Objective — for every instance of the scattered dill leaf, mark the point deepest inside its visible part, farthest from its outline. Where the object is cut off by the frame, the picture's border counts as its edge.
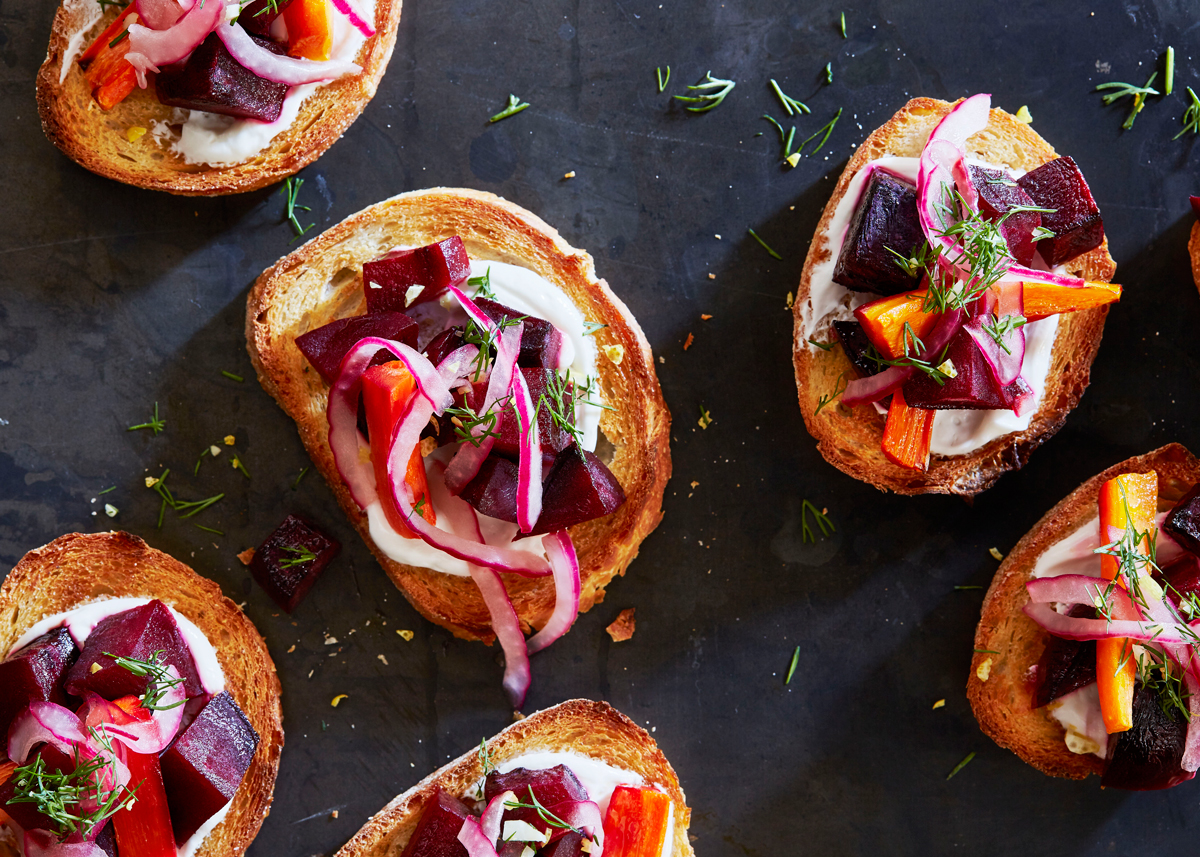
(961, 765)
(155, 424)
(823, 523)
(792, 667)
(791, 105)
(290, 190)
(663, 81)
(713, 91)
(514, 106)
(232, 377)
(764, 244)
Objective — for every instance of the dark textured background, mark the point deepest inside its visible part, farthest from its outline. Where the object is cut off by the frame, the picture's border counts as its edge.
(115, 298)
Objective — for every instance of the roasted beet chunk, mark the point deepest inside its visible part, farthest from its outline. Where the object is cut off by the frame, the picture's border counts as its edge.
(1147, 757)
(857, 347)
(1066, 665)
(570, 844)
(1183, 575)
(578, 488)
(289, 562)
(1075, 220)
(493, 491)
(434, 268)
(205, 765)
(543, 384)
(327, 345)
(972, 388)
(540, 342)
(1183, 521)
(550, 786)
(444, 344)
(437, 831)
(27, 814)
(998, 194)
(886, 217)
(138, 634)
(34, 673)
(213, 81)
(258, 15)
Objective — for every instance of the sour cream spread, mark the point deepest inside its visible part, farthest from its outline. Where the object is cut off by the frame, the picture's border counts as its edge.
(955, 432)
(526, 292)
(80, 621)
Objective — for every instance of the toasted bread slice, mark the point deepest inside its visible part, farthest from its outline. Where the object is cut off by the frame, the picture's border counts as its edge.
(1003, 701)
(322, 281)
(77, 568)
(97, 139)
(593, 729)
(850, 438)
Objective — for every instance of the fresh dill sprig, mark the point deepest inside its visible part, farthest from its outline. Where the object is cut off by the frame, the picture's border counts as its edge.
(829, 72)
(1191, 116)
(419, 507)
(791, 105)
(155, 424)
(302, 554)
(785, 139)
(1041, 232)
(827, 128)
(1125, 90)
(290, 190)
(663, 81)
(590, 327)
(60, 796)
(559, 402)
(838, 388)
(713, 90)
(792, 666)
(187, 508)
(999, 328)
(544, 814)
(122, 37)
(232, 377)
(212, 530)
(764, 244)
(154, 669)
(823, 523)
(465, 421)
(824, 346)
(844, 36)
(296, 484)
(514, 106)
(483, 285)
(272, 6)
(485, 757)
(106, 490)
(1169, 71)
(961, 764)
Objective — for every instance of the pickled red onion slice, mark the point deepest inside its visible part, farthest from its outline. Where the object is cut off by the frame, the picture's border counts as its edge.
(280, 69)
(567, 588)
(149, 49)
(475, 840)
(529, 466)
(489, 822)
(43, 843)
(152, 735)
(360, 23)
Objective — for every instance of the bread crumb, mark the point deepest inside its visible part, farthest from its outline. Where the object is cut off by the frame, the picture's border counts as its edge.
(382, 658)
(790, 300)
(334, 814)
(428, 445)
(110, 510)
(615, 353)
(1023, 115)
(134, 133)
(687, 343)
(518, 717)
(941, 703)
(406, 634)
(330, 641)
(662, 359)
(705, 418)
(995, 554)
(151, 481)
(235, 464)
(214, 450)
(292, 649)
(718, 237)
(712, 276)
(791, 208)
(705, 316)
(338, 698)
(569, 175)
(95, 668)
(623, 626)
(246, 556)
(230, 440)
(984, 670)
(695, 483)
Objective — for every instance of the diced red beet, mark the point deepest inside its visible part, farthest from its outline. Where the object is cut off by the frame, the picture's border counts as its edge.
(1075, 221)
(1183, 521)
(886, 217)
(550, 786)
(442, 345)
(327, 345)
(998, 193)
(972, 388)
(857, 347)
(1148, 756)
(553, 437)
(446, 430)
(204, 766)
(493, 491)
(213, 81)
(1183, 575)
(27, 814)
(437, 831)
(570, 844)
(106, 839)
(257, 16)
(540, 341)
(386, 281)
(138, 633)
(34, 673)
(289, 561)
(1066, 665)
(578, 488)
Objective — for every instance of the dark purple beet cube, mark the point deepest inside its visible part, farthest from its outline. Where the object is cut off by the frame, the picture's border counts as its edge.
(550, 786)
(972, 388)
(327, 345)
(444, 344)
(998, 194)
(493, 491)
(257, 16)
(1148, 756)
(106, 839)
(570, 844)
(1183, 577)
(578, 488)
(436, 267)
(213, 81)
(291, 559)
(553, 437)
(447, 431)
(1075, 220)
(27, 814)
(437, 831)
(205, 765)
(856, 346)
(1066, 665)
(139, 633)
(540, 341)
(886, 217)
(34, 673)
(1183, 521)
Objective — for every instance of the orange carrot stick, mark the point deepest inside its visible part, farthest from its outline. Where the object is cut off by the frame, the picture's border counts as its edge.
(1043, 299)
(884, 322)
(907, 434)
(310, 31)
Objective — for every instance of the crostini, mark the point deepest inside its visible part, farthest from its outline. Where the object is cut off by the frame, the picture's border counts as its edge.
(952, 300)
(511, 453)
(1085, 655)
(204, 98)
(575, 779)
(140, 707)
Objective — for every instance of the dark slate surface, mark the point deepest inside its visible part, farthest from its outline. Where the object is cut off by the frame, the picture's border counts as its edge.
(116, 298)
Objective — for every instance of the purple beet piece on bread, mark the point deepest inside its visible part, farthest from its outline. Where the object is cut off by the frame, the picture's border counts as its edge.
(972, 388)
(437, 830)
(550, 786)
(34, 673)
(213, 81)
(553, 437)
(27, 814)
(998, 195)
(578, 488)
(886, 217)
(327, 345)
(1066, 665)
(435, 267)
(540, 341)
(1148, 756)
(138, 634)
(1183, 521)
(444, 344)
(1075, 219)
(204, 766)
(291, 559)
(493, 491)
(856, 346)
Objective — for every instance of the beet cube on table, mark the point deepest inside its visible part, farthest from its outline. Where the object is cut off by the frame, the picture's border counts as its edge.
(34, 673)
(291, 559)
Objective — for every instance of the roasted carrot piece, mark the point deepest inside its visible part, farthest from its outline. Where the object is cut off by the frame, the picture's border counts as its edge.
(109, 74)
(118, 26)
(387, 390)
(1129, 500)
(310, 32)
(884, 322)
(636, 822)
(1043, 299)
(907, 434)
